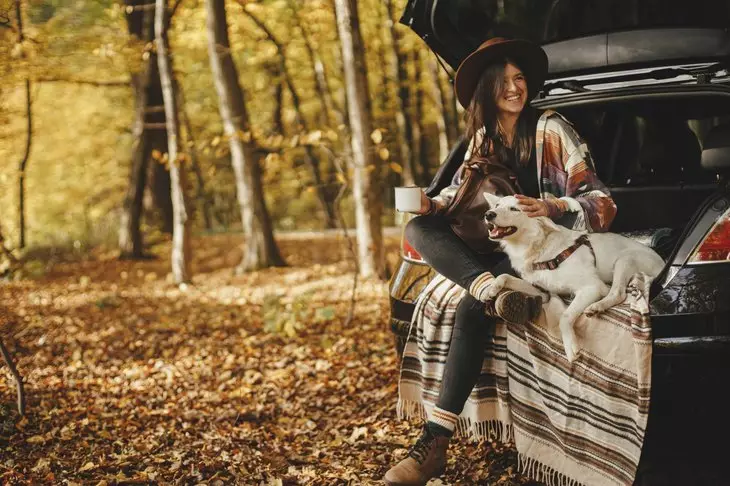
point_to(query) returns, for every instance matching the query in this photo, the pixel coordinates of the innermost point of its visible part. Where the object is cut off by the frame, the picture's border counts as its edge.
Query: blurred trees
(364, 165)
(29, 131)
(99, 122)
(261, 250)
(181, 223)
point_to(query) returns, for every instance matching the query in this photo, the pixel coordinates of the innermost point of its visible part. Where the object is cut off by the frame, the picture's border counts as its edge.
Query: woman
(556, 175)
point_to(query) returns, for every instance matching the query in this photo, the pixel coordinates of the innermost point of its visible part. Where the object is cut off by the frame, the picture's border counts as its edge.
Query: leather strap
(563, 255)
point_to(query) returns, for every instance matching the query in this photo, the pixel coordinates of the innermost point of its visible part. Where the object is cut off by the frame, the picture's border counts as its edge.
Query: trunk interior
(648, 154)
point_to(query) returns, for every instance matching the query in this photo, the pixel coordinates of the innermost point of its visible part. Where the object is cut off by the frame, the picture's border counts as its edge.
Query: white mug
(408, 199)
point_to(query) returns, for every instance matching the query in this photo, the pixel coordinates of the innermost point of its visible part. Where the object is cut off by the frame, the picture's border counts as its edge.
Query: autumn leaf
(376, 136)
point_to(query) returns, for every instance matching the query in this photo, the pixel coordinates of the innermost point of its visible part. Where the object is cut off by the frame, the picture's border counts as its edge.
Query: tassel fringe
(542, 473)
(465, 427)
(491, 430)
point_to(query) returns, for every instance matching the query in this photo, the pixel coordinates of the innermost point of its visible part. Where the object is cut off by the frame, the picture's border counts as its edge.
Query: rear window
(648, 153)
(643, 147)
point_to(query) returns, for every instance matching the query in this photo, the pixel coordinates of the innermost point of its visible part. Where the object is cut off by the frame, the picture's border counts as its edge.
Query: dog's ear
(491, 199)
(547, 224)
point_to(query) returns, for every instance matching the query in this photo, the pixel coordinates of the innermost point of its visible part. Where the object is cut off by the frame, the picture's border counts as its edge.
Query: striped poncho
(576, 197)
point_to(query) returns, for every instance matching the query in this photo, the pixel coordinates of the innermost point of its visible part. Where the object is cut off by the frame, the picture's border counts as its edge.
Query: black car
(647, 84)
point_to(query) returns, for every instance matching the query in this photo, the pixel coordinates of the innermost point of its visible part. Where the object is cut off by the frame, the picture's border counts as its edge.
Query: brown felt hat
(529, 56)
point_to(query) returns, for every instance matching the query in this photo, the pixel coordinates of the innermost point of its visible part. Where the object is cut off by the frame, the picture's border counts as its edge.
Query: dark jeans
(446, 253)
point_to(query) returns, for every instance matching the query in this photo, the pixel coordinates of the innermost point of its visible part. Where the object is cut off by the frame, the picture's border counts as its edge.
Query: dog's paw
(496, 287)
(594, 309)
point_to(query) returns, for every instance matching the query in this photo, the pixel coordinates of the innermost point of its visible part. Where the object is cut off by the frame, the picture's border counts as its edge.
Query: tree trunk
(161, 187)
(130, 234)
(332, 116)
(139, 23)
(261, 250)
(312, 161)
(159, 175)
(396, 72)
(279, 100)
(367, 206)
(28, 136)
(449, 101)
(181, 224)
(150, 135)
(417, 139)
(435, 90)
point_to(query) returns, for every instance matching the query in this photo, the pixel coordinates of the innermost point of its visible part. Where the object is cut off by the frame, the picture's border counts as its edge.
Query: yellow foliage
(82, 142)
(312, 137)
(377, 136)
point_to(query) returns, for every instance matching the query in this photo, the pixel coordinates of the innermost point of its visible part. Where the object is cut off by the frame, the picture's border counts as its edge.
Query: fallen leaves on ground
(131, 380)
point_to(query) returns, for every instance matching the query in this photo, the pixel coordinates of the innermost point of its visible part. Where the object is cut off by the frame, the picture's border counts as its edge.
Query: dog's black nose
(490, 215)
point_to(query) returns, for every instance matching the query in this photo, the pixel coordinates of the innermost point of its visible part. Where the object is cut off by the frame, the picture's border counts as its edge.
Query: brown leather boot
(426, 460)
(514, 306)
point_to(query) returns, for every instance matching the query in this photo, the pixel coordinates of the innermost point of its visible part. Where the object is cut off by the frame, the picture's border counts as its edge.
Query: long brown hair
(482, 114)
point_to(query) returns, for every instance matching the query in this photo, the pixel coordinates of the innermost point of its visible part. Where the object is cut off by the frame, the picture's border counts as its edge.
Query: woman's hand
(531, 206)
(425, 203)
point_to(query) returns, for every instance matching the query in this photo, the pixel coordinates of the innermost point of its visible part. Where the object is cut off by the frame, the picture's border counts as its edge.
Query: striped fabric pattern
(572, 424)
(480, 286)
(576, 197)
(444, 418)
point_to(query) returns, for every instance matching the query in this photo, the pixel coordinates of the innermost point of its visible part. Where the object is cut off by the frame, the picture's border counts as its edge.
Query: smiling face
(505, 218)
(513, 96)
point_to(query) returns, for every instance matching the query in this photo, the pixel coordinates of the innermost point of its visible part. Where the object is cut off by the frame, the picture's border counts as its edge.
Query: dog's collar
(563, 255)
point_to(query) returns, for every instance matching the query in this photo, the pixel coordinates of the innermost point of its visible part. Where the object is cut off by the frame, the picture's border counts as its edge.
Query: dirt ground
(249, 379)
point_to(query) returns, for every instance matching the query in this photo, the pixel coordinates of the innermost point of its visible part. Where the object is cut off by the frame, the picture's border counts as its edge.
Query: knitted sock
(480, 285)
(442, 422)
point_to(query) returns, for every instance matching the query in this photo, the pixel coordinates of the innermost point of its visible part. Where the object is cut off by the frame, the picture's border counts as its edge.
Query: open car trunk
(647, 151)
(454, 28)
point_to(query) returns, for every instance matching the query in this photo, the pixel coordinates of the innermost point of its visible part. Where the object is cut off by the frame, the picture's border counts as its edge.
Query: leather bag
(468, 206)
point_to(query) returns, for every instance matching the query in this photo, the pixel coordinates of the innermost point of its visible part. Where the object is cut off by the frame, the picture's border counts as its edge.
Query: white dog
(565, 262)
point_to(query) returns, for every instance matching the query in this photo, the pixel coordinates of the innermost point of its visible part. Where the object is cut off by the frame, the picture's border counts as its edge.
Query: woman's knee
(420, 228)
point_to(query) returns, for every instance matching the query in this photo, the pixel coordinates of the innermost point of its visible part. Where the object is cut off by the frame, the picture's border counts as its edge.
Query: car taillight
(409, 252)
(716, 245)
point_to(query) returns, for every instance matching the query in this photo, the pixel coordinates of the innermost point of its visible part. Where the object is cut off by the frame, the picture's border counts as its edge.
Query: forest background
(189, 190)
(78, 57)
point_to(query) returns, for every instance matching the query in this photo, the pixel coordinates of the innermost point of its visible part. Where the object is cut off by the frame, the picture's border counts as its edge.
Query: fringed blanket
(572, 424)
